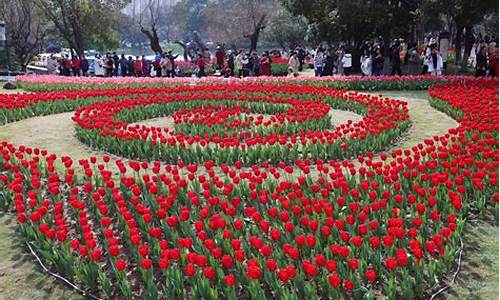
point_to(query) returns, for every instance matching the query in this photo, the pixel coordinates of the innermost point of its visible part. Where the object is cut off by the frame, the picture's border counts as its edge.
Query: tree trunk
(468, 43)
(184, 48)
(458, 44)
(154, 41)
(197, 40)
(254, 38)
(386, 36)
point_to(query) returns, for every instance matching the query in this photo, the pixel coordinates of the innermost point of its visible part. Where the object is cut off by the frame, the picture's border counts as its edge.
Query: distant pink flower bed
(54, 79)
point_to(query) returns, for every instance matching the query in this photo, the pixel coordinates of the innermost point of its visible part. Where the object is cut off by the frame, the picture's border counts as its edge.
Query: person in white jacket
(366, 64)
(347, 63)
(51, 65)
(98, 65)
(435, 62)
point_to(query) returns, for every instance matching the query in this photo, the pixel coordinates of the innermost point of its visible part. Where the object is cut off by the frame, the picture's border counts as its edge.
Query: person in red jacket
(138, 67)
(219, 57)
(265, 64)
(201, 66)
(75, 66)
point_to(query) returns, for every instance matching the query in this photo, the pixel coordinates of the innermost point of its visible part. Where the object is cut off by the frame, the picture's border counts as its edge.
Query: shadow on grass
(478, 277)
(20, 276)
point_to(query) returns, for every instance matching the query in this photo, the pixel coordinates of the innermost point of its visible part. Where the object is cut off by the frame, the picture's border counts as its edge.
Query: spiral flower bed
(253, 228)
(301, 127)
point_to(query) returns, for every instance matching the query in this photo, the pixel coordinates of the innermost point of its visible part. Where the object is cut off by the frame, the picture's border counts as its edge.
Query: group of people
(486, 58)
(113, 65)
(68, 66)
(109, 65)
(328, 62)
(234, 63)
(430, 58)
(372, 60)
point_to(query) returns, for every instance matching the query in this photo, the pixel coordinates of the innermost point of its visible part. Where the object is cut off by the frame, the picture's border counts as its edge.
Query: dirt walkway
(426, 121)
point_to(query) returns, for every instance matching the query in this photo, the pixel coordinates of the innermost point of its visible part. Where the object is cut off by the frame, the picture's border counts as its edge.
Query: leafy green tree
(26, 31)
(286, 30)
(354, 21)
(84, 23)
(465, 14)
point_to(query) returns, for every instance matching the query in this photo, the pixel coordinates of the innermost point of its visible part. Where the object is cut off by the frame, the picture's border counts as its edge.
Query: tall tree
(285, 30)
(25, 29)
(465, 14)
(154, 18)
(84, 23)
(230, 21)
(355, 20)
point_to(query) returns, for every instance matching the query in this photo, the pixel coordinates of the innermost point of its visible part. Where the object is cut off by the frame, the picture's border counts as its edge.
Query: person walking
(116, 63)
(238, 63)
(413, 60)
(427, 58)
(254, 64)
(246, 66)
(230, 61)
(366, 63)
(206, 56)
(165, 65)
(172, 58)
(328, 65)
(124, 65)
(157, 65)
(493, 59)
(84, 65)
(201, 63)
(319, 62)
(75, 66)
(51, 65)
(138, 67)
(108, 65)
(293, 65)
(396, 59)
(265, 64)
(481, 62)
(130, 66)
(98, 65)
(435, 62)
(146, 69)
(219, 57)
(340, 55)
(347, 63)
(378, 63)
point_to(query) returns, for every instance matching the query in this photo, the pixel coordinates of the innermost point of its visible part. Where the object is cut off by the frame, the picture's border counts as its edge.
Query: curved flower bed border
(217, 231)
(304, 133)
(51, 82)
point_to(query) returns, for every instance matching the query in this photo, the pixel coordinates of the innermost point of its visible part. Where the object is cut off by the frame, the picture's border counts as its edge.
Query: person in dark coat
(157, 64)
(328, 66)
(116, 62)
(230, 61)
(130, 66)
(481, 62)
(84, 65)
(124, 65)
(395, 59)
(378, 63)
